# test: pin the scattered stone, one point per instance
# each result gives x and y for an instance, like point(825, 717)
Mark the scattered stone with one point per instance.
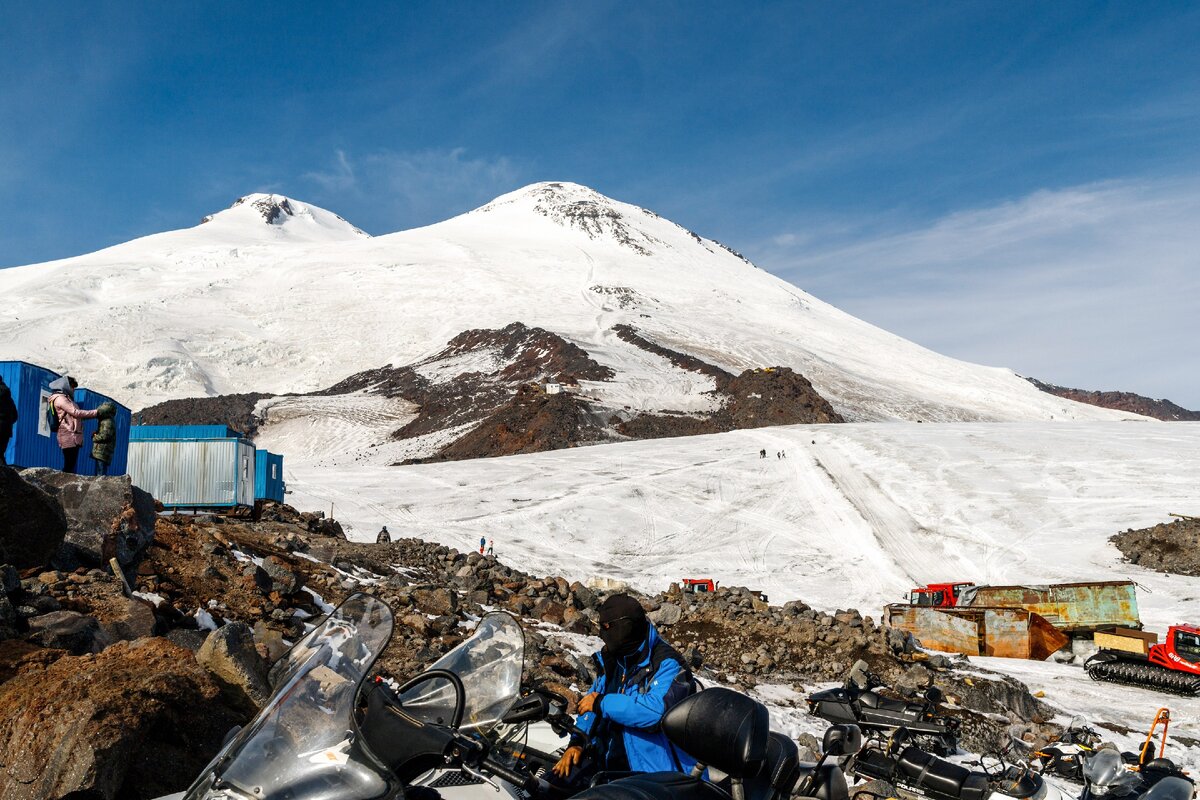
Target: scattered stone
point(65, 630)
point(32, 524)
point(230, 655)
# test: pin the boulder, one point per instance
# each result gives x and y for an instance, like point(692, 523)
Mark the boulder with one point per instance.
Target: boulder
point(138, 720)
point(284, 579)
point(667, 614)
point(65, 630)
point(230, 656)
point(32, 524)
point(137, 622)
point(10, 580)
point(438, 602)
point(106, 516)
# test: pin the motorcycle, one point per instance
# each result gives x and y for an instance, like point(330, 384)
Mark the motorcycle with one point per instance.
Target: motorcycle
point(1064, 757)
point(1109, 774)
point(462, 730)
point(909, 768)
point(856, 702)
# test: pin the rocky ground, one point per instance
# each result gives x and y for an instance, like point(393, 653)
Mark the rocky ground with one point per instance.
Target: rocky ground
point(488, 379)
point(1172, 547)
point(1123, 401)
point(107, 695)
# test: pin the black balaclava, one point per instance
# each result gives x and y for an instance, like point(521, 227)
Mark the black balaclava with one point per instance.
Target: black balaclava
point(623, 625)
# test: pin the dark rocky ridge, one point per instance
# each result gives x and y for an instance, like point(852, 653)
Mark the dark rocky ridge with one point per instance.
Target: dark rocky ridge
point(1167, 547)
point(234, 410)
point(1122, 401)
point(497, 395)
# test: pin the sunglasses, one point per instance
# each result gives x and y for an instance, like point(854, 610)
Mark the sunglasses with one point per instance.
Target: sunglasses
point(609, 624)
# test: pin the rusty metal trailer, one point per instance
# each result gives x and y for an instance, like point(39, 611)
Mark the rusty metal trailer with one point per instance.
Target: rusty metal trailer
point(979, 631)
point(1074, 608)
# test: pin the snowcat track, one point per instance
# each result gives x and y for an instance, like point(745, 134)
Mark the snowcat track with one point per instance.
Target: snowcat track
point(1147, 676)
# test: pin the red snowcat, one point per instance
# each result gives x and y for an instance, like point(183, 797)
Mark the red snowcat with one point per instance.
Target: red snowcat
point(1134, 657)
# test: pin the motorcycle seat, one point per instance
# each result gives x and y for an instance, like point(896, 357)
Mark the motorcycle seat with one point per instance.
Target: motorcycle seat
point(941, 778)
point(780, 770)
point(873, 700)
point(721, 728)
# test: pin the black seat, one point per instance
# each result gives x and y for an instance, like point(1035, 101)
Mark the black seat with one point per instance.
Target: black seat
point(873, 700)
point(780, 770)
point(940, 778)
point(719, 728)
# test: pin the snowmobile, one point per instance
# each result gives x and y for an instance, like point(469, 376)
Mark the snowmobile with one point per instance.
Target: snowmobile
point(1064, 757)
point(1173, 666)
point(462, 730)
point(856, 702)
point(909, 768)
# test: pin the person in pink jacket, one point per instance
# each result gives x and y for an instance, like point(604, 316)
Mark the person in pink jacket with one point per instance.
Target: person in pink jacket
point(70, 420)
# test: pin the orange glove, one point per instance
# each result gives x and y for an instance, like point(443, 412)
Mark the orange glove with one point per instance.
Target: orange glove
point(588, 703)
point(570, 760)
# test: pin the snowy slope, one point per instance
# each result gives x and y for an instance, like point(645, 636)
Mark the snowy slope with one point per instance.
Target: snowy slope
point(854, 516)
point(299, 299)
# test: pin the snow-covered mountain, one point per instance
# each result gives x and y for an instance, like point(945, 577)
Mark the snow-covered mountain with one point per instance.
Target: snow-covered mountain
point(275, 295)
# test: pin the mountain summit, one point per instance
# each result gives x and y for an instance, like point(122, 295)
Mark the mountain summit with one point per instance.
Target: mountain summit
point(275, 295)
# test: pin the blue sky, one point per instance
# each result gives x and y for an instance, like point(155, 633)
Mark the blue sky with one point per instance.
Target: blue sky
point(1015, 184)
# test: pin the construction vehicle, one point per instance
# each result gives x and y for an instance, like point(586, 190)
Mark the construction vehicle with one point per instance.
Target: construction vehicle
point(1136, 658)
point(938, 595)
point(699, 585)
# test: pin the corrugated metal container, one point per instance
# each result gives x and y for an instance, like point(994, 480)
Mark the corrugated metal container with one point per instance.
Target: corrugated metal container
point(268, 476)
point(87, 399)
point(142, 432)
point(1074, 607)
point(32, 444)
point(1001, 632)
point(194, 473)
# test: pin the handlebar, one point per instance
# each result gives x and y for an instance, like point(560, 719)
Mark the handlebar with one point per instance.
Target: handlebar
point(527, 782)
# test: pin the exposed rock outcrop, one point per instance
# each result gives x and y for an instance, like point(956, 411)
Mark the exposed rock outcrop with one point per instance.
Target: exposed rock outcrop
point(1122, 401)
point(1167, 547)
point(32, 524)
point(134, 721)
point(106, 516)
point(233, 410)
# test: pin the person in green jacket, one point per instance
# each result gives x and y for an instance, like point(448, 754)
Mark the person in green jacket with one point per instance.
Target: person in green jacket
point(104, 440)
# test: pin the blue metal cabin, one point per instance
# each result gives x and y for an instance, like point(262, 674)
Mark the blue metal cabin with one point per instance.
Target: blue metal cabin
point(32, 445)
point(140, 433)
point(192, 466)
point(86, 398)
point(268, 476)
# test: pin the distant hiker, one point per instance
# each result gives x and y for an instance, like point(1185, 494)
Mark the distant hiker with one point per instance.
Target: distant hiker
point(383, 537)
point(8, 418)
point(104, 440)
point(762, 453)
point(779, 454)
point(482, 544)
point(491, 551)
point(67, 419)
point(783, 453)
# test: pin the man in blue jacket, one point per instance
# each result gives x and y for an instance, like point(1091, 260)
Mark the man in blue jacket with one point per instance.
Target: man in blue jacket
point(641, 676)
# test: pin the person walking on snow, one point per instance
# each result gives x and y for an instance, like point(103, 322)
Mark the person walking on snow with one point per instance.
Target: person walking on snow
point(8, 418)
point(70, 419)
point(491, 551)
point(482, 544)
point(762, 453)
point(383, 537)
point(640, 678)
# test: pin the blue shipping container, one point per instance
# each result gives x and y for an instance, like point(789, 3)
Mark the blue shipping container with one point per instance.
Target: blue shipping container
point(32, 445)
point(141, 433)
point(87, 399)
point(268, 476)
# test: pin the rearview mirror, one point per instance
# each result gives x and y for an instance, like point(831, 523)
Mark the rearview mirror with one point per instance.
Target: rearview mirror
point(842, 740)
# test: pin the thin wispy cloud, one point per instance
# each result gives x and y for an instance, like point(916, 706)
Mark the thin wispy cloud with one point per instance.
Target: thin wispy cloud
point(417, 187)
point(1079, 286)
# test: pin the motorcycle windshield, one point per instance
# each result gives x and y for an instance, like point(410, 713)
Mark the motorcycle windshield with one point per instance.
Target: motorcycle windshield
point(489, 665)
point(299, 744)
point(1105, 773)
